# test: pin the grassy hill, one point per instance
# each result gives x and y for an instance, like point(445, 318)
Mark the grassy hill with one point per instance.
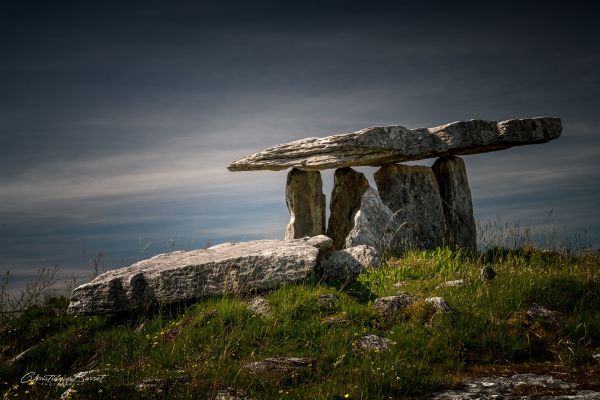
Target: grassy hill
point(197, 350)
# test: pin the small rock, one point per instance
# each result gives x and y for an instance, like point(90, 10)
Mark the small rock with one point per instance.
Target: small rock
point(399, 285)
point(259, 306)
point(372, 342)
point(159, 385)
point(279, 364)
point(327, 300)
point(349, 263)
point(456, 283)
point(321, 242)
point(537, 311)
point(439, 304)
point(391, 304)
point(487, 273)
point(232, 394)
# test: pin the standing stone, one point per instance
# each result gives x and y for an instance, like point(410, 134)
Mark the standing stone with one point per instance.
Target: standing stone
point(375, 225)
point(348, 189)
point(413, 193)
point(451, 175)
point(306, 203)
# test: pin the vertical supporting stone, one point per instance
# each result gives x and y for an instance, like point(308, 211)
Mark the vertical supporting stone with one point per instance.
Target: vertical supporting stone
point(348, 189)
point(306, 202)
point(451, 175)
point(412, 192)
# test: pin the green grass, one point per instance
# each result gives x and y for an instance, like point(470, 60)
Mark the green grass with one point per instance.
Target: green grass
point(210, 341)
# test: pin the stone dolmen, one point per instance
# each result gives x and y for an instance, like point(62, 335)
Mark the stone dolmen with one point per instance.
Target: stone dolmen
point(413, 206)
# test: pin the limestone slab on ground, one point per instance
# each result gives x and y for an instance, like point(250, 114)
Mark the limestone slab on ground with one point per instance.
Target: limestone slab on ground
point(186, 275)
point(413, 194)
point(306, 202)
point(391, 144)
point(451, 175)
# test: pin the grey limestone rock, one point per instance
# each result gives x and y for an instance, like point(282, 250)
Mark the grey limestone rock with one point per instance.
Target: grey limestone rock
point(306, 202)
point(390, 305)
point(375, 225)
point(451, 175)
point(517, 386)
point(391, 144)
point(244, 267)
point(439, 303)
point(372, 342)
point(349, 263)
point(487, 273)
point(348, 189)
point(259, 306)
point(279, 364)
point(412, 192)
point(455, 283)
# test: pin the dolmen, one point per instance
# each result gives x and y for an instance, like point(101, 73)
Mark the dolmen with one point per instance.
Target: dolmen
point(412, 207)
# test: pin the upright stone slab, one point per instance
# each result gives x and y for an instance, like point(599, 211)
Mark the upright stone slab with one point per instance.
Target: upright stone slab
point(375, 225)
point(306, 203)
point(348, 189)
point(451, 175)
point(412, 192)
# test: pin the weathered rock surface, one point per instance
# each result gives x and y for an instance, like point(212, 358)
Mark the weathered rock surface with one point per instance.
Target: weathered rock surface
point(452, 179)
point(185, 275)
point(348, 189)
point(279, 364)
point(348, 263)
point(487, 273)
point(375, 225)
point(455, 283)
point(439, 303)
point(390, 305)
point(327, 300)
point(306, 202)
point(391, 144)
point(519, 386)
point(259, 306)
point(413, 194)
point(372, 342)
point(537, 311)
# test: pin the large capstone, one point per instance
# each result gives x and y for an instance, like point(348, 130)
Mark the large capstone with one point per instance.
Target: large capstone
point(392, 144)
point(348, 189)
point(375, 225)
point(451, 175)
point(413, 194)
point(244, 267)
point(306, 203)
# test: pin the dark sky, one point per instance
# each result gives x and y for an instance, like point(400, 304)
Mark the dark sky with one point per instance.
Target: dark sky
point(118, 119)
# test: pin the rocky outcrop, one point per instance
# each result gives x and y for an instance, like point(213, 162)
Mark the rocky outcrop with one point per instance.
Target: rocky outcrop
point(391, 144)
point(185, 275)
point(375, 225)
point(413, 194)
point(306, 202)
point(348, 189)
point(452, 179)
point(439, 303)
